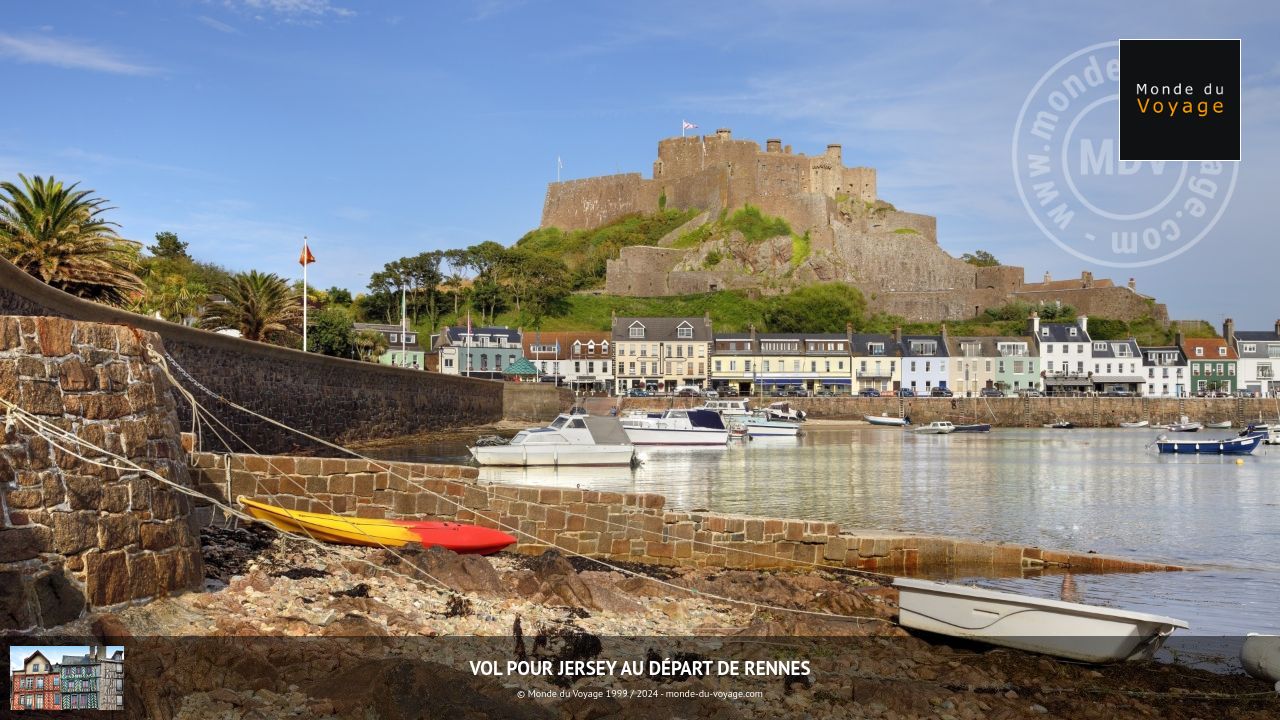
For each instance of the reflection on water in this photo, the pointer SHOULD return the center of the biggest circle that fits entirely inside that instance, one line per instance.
(1099, 490)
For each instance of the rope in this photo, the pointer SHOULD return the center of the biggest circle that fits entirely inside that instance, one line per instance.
(391, 470)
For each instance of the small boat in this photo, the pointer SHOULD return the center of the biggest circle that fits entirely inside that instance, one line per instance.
(1135, 424)
(571, 439)
(1219, 425)
(784, 411)
(937, 427)
(1260, 657)
(762, 424)
(379, 532)
(1074, 631)
(728, 408)
(973, 428)
(887, 421)
(1184, 424)
(1270, 433)
(1239, 445)
(1059, 425)
(675, 427)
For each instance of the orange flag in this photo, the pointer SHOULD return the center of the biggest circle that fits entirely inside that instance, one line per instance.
(306, 258)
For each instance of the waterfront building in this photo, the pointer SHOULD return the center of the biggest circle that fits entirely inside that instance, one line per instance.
(1117, 367)
(403, 349)
(1259, 358)
(661, 353)
(1004, 363)
(877, 362)
(1213, 365)
(581, 360)
(766, 363)
(480, 352)
(1167, 370)
(36, 686)
(1066, 355)
(924, 362)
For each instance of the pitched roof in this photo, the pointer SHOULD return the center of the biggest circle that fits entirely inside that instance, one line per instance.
(520, 367)
(860, 341)
(1061, 332)
(989, 345)
(456, 334)
(1110, 351)
(389, 330)
(1210, 347)
(662, 328)
(563, 341)
(909, 351)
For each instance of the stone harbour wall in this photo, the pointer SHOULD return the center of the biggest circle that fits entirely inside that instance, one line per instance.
(74, 535)
(617, 526)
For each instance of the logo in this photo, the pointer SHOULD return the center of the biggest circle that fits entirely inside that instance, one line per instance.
(1075, 187)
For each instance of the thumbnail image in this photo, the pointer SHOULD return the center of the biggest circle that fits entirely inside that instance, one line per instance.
(66, 677)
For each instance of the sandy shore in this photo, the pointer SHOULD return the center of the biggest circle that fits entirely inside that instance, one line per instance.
(381, 617)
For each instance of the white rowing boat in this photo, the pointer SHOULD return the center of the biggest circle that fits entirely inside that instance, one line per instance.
(1135, 424)
(1087, 633)
(886, 420)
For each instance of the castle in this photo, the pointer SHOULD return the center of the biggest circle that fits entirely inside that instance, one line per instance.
(849, 235)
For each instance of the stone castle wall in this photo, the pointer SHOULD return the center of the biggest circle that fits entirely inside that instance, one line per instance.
(634, 527)
(336, 399)
(75, 536)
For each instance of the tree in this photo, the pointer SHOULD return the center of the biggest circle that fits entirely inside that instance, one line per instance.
(332, 332)
(488, 297)
(422, 273)
(169, 247)
(259, 305)
(339, 296)
(484, 258)
(540, 281)
(174, 296)
(58, 234)
(825, 307)
(981, 258)
(370, 344)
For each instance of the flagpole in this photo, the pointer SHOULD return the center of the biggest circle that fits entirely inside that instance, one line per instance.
(558, 166)
(304, 293)
(404, 359)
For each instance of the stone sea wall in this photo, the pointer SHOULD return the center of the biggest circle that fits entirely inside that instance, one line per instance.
(75, 535)
(336, 399)
(616, 526)
(1012, 412)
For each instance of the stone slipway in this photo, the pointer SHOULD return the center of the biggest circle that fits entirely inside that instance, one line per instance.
(633, 527)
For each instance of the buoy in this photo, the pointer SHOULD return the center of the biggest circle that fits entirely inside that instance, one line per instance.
(1239, 461)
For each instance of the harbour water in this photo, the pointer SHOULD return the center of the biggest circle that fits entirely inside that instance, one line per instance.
(1088, 490)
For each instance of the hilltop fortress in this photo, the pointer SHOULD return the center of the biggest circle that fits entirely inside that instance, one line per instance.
(842, 232)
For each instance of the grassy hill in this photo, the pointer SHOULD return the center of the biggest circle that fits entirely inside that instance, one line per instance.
(585, 252)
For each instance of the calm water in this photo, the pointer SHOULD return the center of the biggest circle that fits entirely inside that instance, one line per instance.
(1083, 490)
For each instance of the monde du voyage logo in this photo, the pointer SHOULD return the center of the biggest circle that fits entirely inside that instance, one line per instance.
(1123, 152)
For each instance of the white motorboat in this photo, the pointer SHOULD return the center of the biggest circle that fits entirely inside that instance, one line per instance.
(1260, 657)
(937, 427)
(886, 420)
(1135, 424)
(784, 411)
(1219, 425)
(728, 408)
(761, 424)
(1074, 631)
(571, 439)
(675, 427)
(1184, 424)
(1270, 433)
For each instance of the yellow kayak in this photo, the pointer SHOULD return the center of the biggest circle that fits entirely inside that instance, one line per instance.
(380, 532)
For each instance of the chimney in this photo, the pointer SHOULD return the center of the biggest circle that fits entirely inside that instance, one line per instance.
(1278, 327)
(1229, 331)
(848, 333)
(786, 150)
(1033, 323)
(1083, 323)
(773, 145)
(943, 331)
(1086, 278)
(1133, 284)
(1177, 338)
(897, 334)
(752, 328)
(1047, 277)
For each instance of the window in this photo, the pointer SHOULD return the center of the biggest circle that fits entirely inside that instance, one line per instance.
(1048, 348)
(636, 330)
(395, 337)
(1199, 352)
(1222, 352)
(1273, 350)
(717, 366)
(1249, 348)
(1044, 332)
(999, 366)
(876, 348)
(684, 331)
(1073, 332)
(1195, 367)
(411, 339)
(577, 367)
(1099, 347)
(1050, 367)
(766, 365)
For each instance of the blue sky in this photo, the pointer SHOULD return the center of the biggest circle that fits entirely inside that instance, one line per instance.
(383, 129)
(18, 653)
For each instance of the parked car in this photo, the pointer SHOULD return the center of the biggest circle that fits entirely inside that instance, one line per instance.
(688, 391)
(991, 392)
(940, 392)
(869, 392)
(795, 392)
(638, 392)
(729, 392)
(711, 394)
(823, 393)
(1117, 393)
(905, 392)
(1030, 393)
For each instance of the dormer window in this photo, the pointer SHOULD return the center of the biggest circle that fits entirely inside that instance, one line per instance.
(636, 330)
(1222, 352)
(1099, 347)
(1199, 352)
(876, 348)
(1073, 332)
(684, 331)
(1044, 332)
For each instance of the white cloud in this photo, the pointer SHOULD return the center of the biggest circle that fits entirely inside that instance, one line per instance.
(217, 25)
(64, 53)
(295, 11)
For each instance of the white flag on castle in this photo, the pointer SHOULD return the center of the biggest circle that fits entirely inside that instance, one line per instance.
(686, 125)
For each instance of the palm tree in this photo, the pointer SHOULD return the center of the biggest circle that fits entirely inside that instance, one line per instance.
(256, 304)
(370, 344)
(454, 284)
(57, 233)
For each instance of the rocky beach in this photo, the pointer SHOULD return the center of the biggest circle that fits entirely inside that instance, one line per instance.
(283, 629)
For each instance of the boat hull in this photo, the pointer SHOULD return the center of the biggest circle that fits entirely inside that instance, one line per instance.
(885, 420)
(1067, 630)
(380, 532)
(669, 436)
(1230, 446)
(973, 428)
(1132, 425)
(553, 454)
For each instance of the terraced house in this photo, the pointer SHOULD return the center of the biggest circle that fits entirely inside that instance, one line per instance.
(1259, 358)
(1117, 367)
(581, 360)
(765, 363)
(477, 352)
(1213, 365)
(1003, 363)
(1167, 370)
(877, 362)
(37, 685)
(924, 362)
(1066, 357)
(661, 353)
